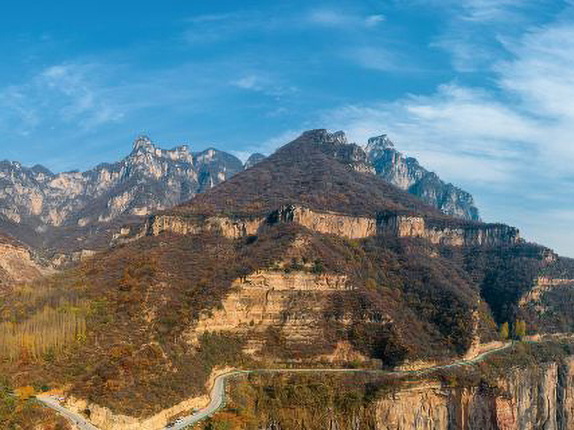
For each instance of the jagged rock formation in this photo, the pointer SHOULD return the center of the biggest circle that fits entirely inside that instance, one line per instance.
(527, 399)
(291, 303)
(407, 174)
(147, 180)
(546, 306)
(17, 263)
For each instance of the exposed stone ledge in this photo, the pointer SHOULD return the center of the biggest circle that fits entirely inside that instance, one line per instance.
(543, 285)
(462, 235)
(218, 224)
(105, 419)
(351, 227)
(269, 299)
(532, 398)
(17, 263)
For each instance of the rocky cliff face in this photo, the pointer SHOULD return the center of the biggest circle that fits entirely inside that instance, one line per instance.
(149, 179)
(337, 146)
(290, 303)
(407, 174)
(527, 398)
(447, 234)
(535, 398)
(17, 263)
(350, 227)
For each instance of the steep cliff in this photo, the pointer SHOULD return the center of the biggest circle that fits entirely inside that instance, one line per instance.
(528, 395)
(547, 306)
(436, 231)
(17, 263)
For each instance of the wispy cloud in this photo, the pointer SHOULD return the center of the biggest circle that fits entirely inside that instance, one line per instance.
(474, 30)
(264, 84)
(65, 93)
(513, 138)
(347, 19)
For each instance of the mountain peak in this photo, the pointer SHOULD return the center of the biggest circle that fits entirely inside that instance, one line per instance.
(380, 143)
(143, 143)
(324, 136)
(407, 174)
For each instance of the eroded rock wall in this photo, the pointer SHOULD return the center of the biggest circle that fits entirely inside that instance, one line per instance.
(228, 227)
(350, 227)
(290, 302)
(17, 264)
(527, 399)
(445, 234)
(532, 398)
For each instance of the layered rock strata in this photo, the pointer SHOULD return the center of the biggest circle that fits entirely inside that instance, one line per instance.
(350, 227)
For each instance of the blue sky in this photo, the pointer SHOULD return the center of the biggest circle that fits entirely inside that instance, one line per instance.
(479, 90)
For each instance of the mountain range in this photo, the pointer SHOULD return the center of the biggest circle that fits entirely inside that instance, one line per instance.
(59, 212)
(307, 259)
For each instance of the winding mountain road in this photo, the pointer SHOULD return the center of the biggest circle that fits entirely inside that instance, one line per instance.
(218, 397)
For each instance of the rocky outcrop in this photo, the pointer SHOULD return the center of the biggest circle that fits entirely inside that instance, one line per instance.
(527, 399)
(105, 419)
(543, 285)
(407, 174)
(292, 303)
(227, 227)
(147, 180)
(350, 227)
(337, 146)
(17, 264)
(532, 398)
(451, 234)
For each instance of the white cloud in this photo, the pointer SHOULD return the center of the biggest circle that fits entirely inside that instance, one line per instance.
(376, 58)
(475, 29)
(250, 82)
(511, 141)
(489, 10)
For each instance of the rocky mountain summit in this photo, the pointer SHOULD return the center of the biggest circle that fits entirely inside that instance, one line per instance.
(151, 179)
(407, 174)
(148, 179)
(379, 156)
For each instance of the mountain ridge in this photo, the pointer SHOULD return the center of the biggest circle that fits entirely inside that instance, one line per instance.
(303, 258)
(76, 213)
